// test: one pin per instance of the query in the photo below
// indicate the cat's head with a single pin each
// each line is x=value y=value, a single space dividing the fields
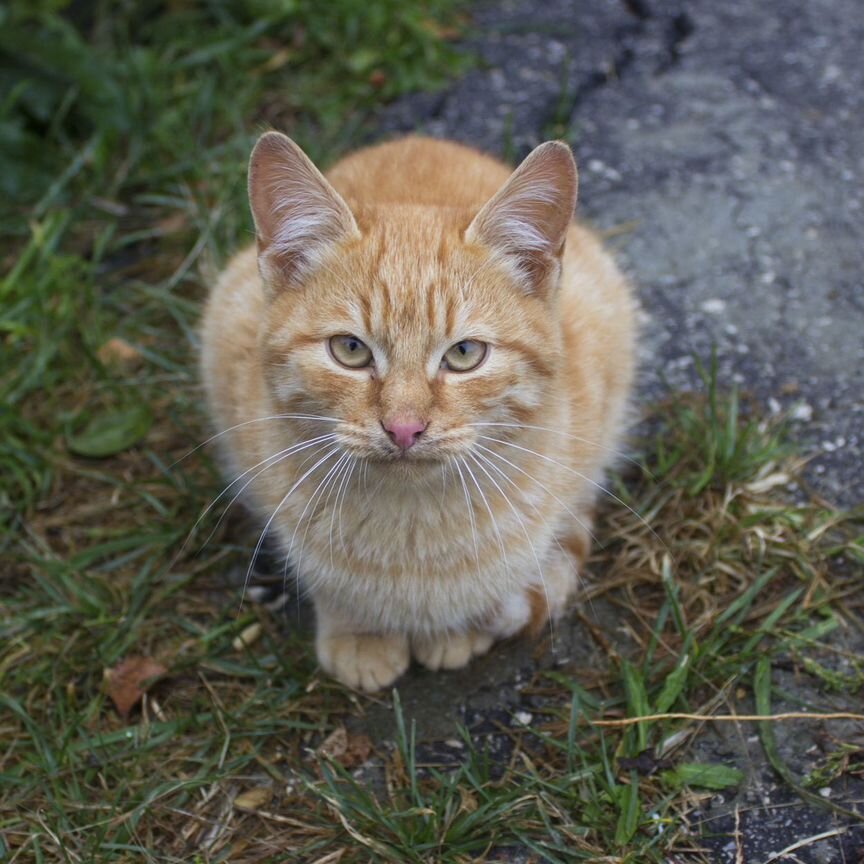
x=406 y=325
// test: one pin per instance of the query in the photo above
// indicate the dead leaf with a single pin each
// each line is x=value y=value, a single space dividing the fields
x=331 y=857
x=335 y=744
x=778 y=478
x=359 y=750
x=124 y=682
x=253 y=799
x=467 y=801
x=118 y=352
x=172 y=224
x=346 y=749
x=277 y=60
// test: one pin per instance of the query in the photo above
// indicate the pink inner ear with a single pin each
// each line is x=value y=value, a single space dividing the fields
x=297 y=213
x=529 y=216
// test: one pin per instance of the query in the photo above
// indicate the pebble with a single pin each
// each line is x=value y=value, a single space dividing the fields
x=714 y=306
x=247 y=636
x=802 y=411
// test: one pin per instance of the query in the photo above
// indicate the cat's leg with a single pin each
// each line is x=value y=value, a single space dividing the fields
x=365 y=661
x=450 y=650
x=529 y=609
x=453 y=650
x=551 y=598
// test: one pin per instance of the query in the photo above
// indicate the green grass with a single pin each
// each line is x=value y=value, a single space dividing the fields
x=82 y=783
x=125 y=133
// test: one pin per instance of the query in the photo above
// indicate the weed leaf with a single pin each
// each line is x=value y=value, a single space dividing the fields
x=705 y=775
x=111 y=431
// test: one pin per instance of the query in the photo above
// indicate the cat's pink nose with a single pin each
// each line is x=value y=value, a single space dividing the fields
x=404 y=432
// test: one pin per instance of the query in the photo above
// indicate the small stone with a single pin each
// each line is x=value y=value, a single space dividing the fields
x=253 y=799
x=118 y=352
x=825 y=791
x=247 y=636
x=258 y=593
x=714 y=306
x=802 y=412
x=523 y=717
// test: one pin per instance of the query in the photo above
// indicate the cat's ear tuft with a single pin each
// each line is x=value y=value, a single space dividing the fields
x=298 y=215
x=527 y=219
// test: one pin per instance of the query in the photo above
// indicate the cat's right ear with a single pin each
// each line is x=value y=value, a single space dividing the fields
x=527 y=219
x=298 y=215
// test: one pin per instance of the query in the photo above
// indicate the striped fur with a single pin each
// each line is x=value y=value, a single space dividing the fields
x=479 y=530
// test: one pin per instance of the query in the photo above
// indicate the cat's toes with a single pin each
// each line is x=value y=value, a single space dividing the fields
x=450 y=650
x=363 y=661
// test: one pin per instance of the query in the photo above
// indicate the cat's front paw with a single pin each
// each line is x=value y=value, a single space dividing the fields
x=450 y=650
x=364 y=661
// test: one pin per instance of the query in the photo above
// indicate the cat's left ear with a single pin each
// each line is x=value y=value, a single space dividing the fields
x=299 y=216
x=528 y=218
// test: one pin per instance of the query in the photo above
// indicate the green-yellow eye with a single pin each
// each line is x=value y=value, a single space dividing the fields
x=465 y=355
x=350 y=352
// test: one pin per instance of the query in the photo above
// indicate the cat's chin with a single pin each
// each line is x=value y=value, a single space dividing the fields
x=421 y=454
x=407 y=461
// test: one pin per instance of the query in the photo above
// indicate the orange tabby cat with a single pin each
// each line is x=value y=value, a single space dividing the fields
x=426 y=365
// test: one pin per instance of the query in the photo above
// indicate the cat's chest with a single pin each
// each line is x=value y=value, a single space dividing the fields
x=435 y=527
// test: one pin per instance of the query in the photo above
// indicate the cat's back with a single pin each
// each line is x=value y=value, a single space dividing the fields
x=419 y=171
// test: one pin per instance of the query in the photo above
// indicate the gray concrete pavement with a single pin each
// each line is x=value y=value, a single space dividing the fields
x=726 y=141
x=723 y=142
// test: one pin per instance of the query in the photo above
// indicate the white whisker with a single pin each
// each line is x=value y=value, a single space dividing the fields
x=327 y=482
x=341 y=503
x=491 y=514
x=247 y=423
x=338 y=481
x=548 y=491
x=521 y=491
x=279 y=506
x=269 y=462
x=470 y=514
x=445 y=473
x=620 y=454
x=584 y=477
x=530 y=544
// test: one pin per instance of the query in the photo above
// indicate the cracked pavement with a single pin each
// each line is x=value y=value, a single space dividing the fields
x=724 y=144
x=721 y=145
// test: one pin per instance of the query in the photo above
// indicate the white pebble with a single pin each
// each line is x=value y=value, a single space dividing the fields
x=714 y=306
x=803 y=412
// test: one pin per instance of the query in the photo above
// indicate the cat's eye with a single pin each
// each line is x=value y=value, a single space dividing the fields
x=464 y=356
x=350 y=351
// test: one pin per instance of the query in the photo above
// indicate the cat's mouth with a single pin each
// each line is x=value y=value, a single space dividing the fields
x=429 y=449
x=417 y=454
